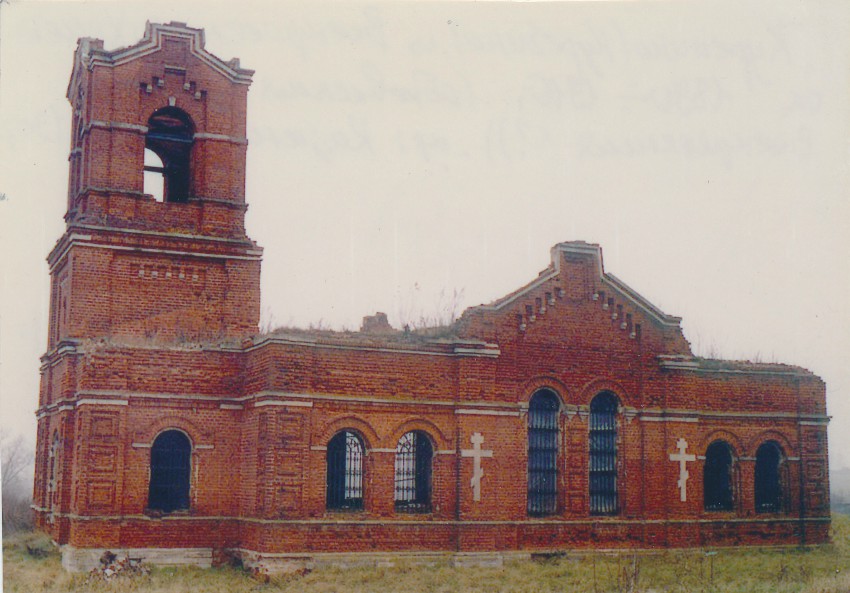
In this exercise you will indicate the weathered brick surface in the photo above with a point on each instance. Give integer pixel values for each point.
(153, 327)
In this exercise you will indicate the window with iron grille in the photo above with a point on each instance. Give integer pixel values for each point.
(717, 477)
(170, 469)
(768, 486)
(413, 457)
(603, 454)
(345, 472)
(543, 453)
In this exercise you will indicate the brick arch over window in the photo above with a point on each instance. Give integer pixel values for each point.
(345, 471)
(536, 384)
(439, 439)
(355, 423)
(170, 136)
(170, 471)
(173, 422)
(592, 389)
(718, 477)
(771, 478)
(543, 439)
(754, 443)
(603, 448)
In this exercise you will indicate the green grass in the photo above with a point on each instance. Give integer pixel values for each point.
(824, 569)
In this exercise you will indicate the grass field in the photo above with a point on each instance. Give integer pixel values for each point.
(824, 569)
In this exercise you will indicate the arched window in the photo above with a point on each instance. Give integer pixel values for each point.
(768, 486)
(717, 477)
(345, 472)
(413, 457)
(543, 453)
(603, 454)
(169, 137)
(170, 469)
(53, 475)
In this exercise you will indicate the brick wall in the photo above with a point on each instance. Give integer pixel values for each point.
(154, 312)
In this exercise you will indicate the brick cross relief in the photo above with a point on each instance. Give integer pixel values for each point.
(477, 471)
(682, 458)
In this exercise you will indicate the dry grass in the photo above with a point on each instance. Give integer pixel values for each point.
(825, 569)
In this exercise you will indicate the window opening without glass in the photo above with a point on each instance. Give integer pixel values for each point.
(603, 454)
(170, 470)
(413, 473)
(345, 472)
(543, 453)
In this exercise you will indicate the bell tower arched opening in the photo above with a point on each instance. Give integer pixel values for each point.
(170, 137)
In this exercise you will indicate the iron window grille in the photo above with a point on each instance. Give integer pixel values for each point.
(345, 472)
(170, 470)
(717, 477)
(413, 473)
(603, 455)
(543, 454)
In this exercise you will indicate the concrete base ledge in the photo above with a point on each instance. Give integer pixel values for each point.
(85, 559)
(272, 563)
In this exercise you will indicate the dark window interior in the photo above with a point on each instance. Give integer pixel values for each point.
(170, 468)
(768, 486)
(603, 454)
(170, 134)
(543, 453)
(345, 472)
(717, 477)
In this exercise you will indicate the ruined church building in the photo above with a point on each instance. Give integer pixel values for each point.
(568, 414)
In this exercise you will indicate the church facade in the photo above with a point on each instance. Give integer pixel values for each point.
(568, 414)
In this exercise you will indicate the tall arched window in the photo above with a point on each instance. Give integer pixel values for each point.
(717, 477)
(768, 479)
(169, 137)
(543, 453)
(345, 472)
(170, 469)
(413, 456)
(603, 454)
(54, 473)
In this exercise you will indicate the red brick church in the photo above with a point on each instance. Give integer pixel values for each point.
(568, 414)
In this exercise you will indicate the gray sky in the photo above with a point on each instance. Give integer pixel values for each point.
(401, 150)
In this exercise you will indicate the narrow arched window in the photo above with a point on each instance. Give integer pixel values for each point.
(543, 453)
(603, 454)
(717, 477)
(768, 479)
(170, 135)
(170, 469)
(413, 456)
(345, 472)
(53, 474)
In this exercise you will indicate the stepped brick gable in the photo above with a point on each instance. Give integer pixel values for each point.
(569, 414)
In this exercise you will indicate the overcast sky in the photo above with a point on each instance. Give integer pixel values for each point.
(402, 150)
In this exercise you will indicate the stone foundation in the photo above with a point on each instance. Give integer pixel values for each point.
(85, 559)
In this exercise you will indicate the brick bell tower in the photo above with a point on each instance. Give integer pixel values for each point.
(155, 247)
(154, 260)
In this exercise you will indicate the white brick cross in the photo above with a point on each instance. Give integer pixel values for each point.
(682, 458)
(477, 471)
